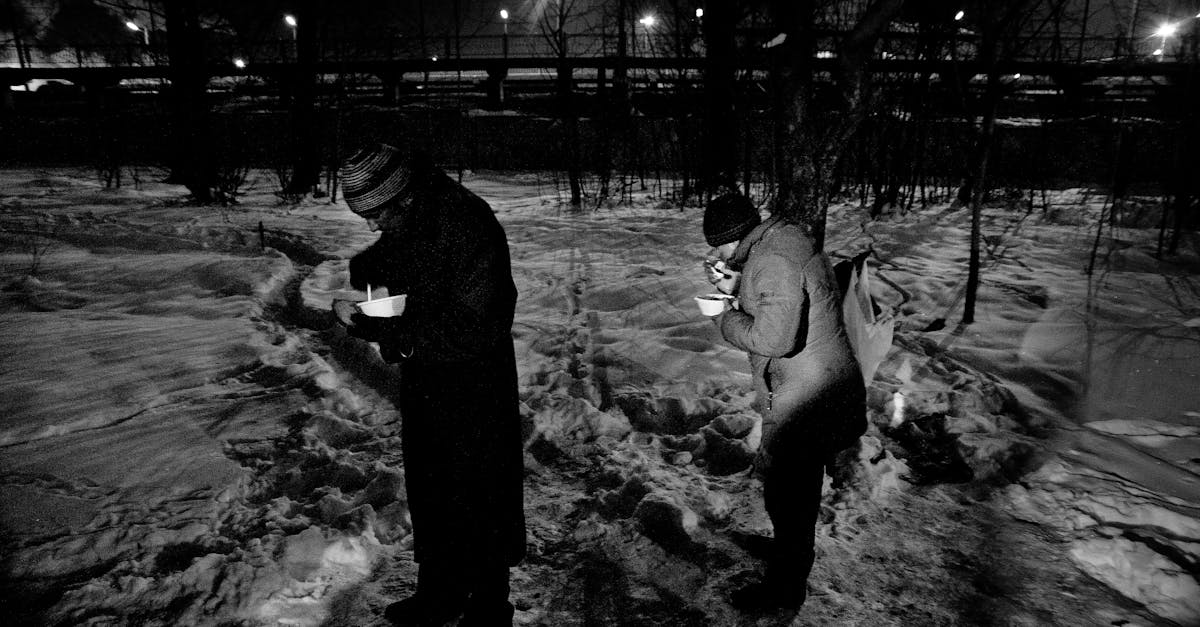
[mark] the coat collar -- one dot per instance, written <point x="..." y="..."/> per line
<point x="742" y="253"/>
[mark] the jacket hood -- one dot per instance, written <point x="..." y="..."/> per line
<point x="742" y="253"/>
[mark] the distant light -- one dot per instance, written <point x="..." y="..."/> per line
<point x="897" y="409"/>
<point x="647" y="21"/>
<point x="433" y="58"/>
<point x="959" y="16"/>
<point x="504" y="14"/>
<point x="699" y="13"/>
<point x="290" y="19"/>
<point x="1166" y="30"/>
<point x="1158" y="53"/>
<point x="1198" y="16"/>
<point x="239" y="64"/>
<point x="1017" y="75"/>
<point x="131" y="25"/>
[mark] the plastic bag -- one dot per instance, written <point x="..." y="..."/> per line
<point x="870" y="334"/>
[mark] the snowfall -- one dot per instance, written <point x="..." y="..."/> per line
<point x="186" y="439"/>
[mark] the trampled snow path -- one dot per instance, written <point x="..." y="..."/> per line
<point x="200" y="447"/>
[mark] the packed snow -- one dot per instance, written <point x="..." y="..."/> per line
<point x="187" y="439"/>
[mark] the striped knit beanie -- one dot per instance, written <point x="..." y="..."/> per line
<point x="729" y="217"/>
<point x="373" y="176"/>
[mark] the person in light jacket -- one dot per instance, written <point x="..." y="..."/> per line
<point x="461" y="432"/>
<point x="809" y="388"/>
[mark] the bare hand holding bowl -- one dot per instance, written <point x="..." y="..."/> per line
<point x="713" y="304"/>
<point x="383" y="307"/>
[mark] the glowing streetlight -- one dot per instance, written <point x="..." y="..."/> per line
<point x="699" y="13"/>
<point x="1167" y="29"/>
<point x="647" y="21"/>
<point x="290" y="20"/>
<point x="133" y="26"/>
<point x="504" y="42"/>
<point x="239" y="63"/>
<point x="959" y="16"/>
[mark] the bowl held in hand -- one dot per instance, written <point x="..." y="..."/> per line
<point x="383" y="307"/>
<point x="713" y="304"/>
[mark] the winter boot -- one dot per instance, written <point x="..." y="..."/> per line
<point x="439" y="600"/>
<point x="767" y="596"/>
<point x="489" y="606"/>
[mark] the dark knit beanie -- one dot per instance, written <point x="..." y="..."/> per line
<point x="727" y="218"/>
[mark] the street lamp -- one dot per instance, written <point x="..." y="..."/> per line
<point x="959" y="16"/>
<point x="648" y="22"/>
<point x="239" y="63"/>
<point x="133" y="26"/>
<point x="1167" y="29"/>
<point x="290" y="20"/>
<point x="700" y="13"/>
<point x="504" y="42"/>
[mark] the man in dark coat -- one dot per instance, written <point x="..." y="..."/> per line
<point x="461" y="434"/>
<point x="809" y="388"/>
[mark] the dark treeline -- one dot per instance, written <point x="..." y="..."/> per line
<point x="788" y="102"/>
<point x="885" y="154"/>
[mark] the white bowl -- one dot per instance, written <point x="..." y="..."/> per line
<point x="712" y="304"/>
<point x="383" y="307"/>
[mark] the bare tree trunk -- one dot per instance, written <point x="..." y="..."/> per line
<point x="983" y="147"/>
<point x="1187" y="189"/>
<point x="621" y="69"/>
<point x="996" y="22"/>
<point x="18" y="18"/>
<point x="806" y="157"/>
<point x="570" y="119"/>
<point x="720" y="157"/>
<point x="306" y="170"/>
<point x="192" y="164"/>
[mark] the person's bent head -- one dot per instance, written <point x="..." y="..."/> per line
<point x="727" y="219"/>
<point x="377" y="183"/>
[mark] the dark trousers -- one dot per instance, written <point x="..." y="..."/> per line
<point x="792" y="495"/>
<point x="464" y="472"/>
<point x="802" y="433"/>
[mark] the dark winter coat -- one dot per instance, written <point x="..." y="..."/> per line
<point x="461" y="428"/>
<point x="448" y="252"/>
<point x="789" y="320"/>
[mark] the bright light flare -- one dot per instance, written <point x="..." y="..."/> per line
<point x="239" y="64"/>
<point x="959" y="16"/>
<point x="1166" y="30"/>
<point x="699" y="13"/>
<point x="290" y="19"/>
<point x="647" y="21"/>
<point x="132" y="25"/>
<point x="1158" y="53"/>
<point x="504" y="14"/>
<point x="897" y="409"/>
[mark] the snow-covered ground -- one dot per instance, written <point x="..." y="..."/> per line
<point x="184" y="438"/>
